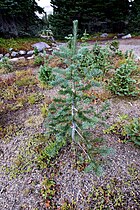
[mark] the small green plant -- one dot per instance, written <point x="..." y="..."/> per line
<point x="114" y="45"/>
<point x="118" y="127"/>
<point x="129" y="54"/>
<point x="32" y="99"/>
<point x="68" y="206"/>
<point x="25" y="78"/>
<point x="127" y="129"/>
<point x="133" y="131"/>
<point x="101" y="58"/>
<point x="46" y="32"/>
<point x="38" y="60"/>
<point x="45" y="72"/>
<point x="48" y="188"/>
<point x="122" y="83"/>
<point x="85" y="37"/>
<point x="6" y="65"/>
<point x="36" y="52"/>
<point x="44" y="110"/>
<point x="72" y="117"/>
<point x="35" y="97"/>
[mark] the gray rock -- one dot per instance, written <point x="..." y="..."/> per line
<point x="7" y="55"/>
<point x="31" y="57"/>
<point x="54" y="45"/>
<point x="128" y="36"/>
<point x="55" y="48"/>
<point x="41" y="46"/>
<point x="120" y="35"/>
<point x="10" y="49"/>
<point x="50" y="49"/>
<point x="31" y="52"/>
<point x="1" y="56"/>
<point x="21" y="58"/>
<point x="14" y="54"/>
<point x="22" y="52"/>
<point x="104" y="35"/>
<point x="14" y="59"/>
<point x="137" y="58"/>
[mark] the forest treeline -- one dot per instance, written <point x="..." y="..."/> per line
<point x="18" y="17"/>
<point x="113" y="16"/>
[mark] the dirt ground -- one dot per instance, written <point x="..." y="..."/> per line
<point x="120" y="181"/>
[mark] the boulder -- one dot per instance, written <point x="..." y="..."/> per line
<point x="40" y="46"/>
<point x="128" y="36"/>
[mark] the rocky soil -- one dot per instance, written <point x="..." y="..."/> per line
<point x="21" y="179"/>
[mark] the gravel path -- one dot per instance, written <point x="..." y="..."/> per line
<point x="129" y="44"/>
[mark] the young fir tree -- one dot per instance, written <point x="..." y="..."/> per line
<point x="72" y="117"/>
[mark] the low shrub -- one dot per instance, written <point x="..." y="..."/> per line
<point x="122" y="83"/>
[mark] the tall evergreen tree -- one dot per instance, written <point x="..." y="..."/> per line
<point x="97" y="15"/>
<point x="17" y="15"/>
<point x="134" y="16"/>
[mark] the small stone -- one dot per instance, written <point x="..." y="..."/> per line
<point x="1" y="56"/>
<point x="22" y="52"/>
<point x="7" y="55"/>
<point x="10" y="49"/>
<point x="21" y="58"/>
<point x="50" y="49"/>
<point x="14" y="59"/>
<point x="137" y="58"/>
<point x="54" y="45"/>
<point x="31" y="57"/>
<point x="104" y="35"/>
<point x="128" y="36"/>
<point x="120" y="35"/>
<point x="31" y="52"/>
<point x="14" y="54"/>
<point x="55" y="48"/>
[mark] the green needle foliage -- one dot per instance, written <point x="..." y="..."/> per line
<point x="45" y="72"/>
<point x="72" y="118"/>
<point x="122" y="83"/>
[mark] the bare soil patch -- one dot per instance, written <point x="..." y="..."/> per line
<point x="22" y="125"/>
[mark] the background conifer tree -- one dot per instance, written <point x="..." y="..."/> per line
<point x="94" y="16"/>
